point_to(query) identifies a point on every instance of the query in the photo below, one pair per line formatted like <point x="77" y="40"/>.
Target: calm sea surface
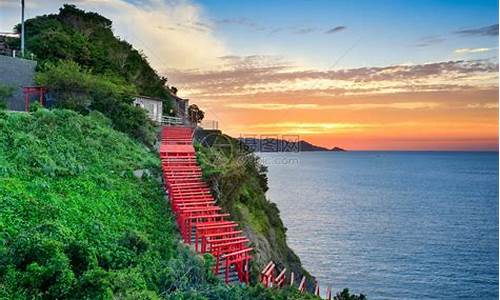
<point x="392" y="225"/>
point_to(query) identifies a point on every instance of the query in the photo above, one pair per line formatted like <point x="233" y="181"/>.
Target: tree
<point x="195" y="114"/>
<point x="345" y="295"/>
<point x="76" y="88"/>
<point x="174" y="90"/>
<point x="87" y="39"/>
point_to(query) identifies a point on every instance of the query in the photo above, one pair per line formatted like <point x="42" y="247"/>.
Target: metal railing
<point x="171" y="121"/>
<point x="209" y="124"/>
<point x="155" y="117"/>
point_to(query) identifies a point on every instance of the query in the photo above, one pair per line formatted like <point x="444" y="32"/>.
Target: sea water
<point x="392" y="225"/>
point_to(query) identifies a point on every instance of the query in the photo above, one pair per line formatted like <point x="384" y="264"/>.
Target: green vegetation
<point x="76" y="223"/>
<point x="74" y="220"/>
<point x="345" y="295"/>
<point x="78" y="89"/>
<point x="239" y="181"/>
<point x="86" y="38"/>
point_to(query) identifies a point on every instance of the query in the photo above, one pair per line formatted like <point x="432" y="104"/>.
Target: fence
<point x="171" y="121"/>
<point x="209" y="124"/>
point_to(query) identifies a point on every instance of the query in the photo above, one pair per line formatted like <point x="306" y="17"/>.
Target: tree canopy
<point x="86" y="38"/>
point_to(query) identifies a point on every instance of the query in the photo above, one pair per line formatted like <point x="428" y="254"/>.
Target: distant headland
<point x="282" y="145"/>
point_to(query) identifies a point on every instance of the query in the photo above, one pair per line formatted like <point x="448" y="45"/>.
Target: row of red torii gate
<point x="202" y="223"/>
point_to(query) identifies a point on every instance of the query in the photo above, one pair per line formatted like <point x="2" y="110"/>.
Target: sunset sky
<point x="362" y="75"/>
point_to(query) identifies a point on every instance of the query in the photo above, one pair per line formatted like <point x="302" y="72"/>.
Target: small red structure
<point x="279" y="281"/>
<point x="316" y="289"/>
<point x="302" y="285"/>
<point x="34" y="90"/>
<point x="267" y="275"/>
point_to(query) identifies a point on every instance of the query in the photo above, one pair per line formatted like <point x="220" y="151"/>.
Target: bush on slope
<point x="74" y="220"/>
<point x="75" y="223"/>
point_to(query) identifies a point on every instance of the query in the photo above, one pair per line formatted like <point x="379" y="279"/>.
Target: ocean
<point x="392" y="225"/>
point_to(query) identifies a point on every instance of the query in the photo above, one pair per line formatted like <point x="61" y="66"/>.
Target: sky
<point x="362" y="75"/>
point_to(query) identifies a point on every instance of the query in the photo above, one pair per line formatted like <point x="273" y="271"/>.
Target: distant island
<point x="282" y="145"/>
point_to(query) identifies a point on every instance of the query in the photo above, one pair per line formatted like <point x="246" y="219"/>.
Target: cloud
<point x="272" y="106"/>
<point x="309" y="127"/>
<point x="350" y="106"/>
<point x="193" y="43"/>
<point x="10" y="4"/>
<point x="491" y="30"/>
<point x="483" y="105"/>
<point x="304" y="30"/>
<point x="429" y="41"/>
<point x="336" y="29"/>
<point x="472" y="50"/>
<point x="242" y="21"/>
<point x="253" y="25"/>
<point x="257" y="75"/>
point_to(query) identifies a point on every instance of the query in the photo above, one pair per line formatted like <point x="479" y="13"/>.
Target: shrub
<point x="76" y="88"/>
<point x="71" y="226"/>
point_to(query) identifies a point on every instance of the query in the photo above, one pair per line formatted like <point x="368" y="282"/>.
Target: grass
<point x="72" y="214"/>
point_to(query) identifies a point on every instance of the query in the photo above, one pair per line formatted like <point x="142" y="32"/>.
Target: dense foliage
<point x="345" y="295"/>
<point x="76" y="222"/>
<point x="78" y="89"/>
<point x="195" y="114"/>
<point x="87" y="39"/>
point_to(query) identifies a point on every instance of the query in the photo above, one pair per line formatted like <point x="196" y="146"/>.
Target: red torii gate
<point x="34" y="90"/>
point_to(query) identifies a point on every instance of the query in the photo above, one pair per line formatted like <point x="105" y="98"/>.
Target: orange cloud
<point x="444" y="105"/>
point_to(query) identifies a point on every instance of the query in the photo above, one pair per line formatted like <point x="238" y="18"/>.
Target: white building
<point x="154" y="107"/>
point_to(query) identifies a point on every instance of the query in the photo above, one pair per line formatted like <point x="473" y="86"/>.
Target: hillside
<point x="74" y="220"/>
<point x="239" y="181"/>
<point x="76" y="223"/>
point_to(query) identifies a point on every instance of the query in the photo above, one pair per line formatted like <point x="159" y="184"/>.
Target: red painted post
<point x="280" y="279"/>
<point x="316" y="289"/>
<point x="329" y="293"/>
<point x="247" y="271"/>
<point x="26" y="101"/>
<point x="264" y="277"/>
<point x="302" y="285"/>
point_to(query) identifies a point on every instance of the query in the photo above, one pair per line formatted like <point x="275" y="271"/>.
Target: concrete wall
<point x="18" y="73"/>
